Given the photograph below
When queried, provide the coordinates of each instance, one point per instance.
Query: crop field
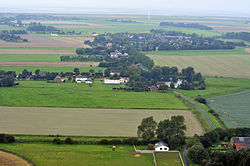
(36, 51)
(85, 122)
(75, 155)
(209, 65)
(233, 109)
(8, 159)
(169, 159)
(19, 69)
(43, 94)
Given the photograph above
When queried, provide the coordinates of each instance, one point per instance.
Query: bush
(69, 141)
(104, 142)
(150, 147)
(6, 138)
(211, 111)
(57, 141)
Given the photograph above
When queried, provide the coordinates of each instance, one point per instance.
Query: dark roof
(69, 73)
(241, 140)
(98, 74)
(85, 74)
(161, 143)
(115, 71)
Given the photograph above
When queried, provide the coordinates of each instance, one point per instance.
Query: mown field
(209, 65)
(32, 57)
(74, 155)
(72, 95)
(8, 159)
(169, 159)
(233, 108)
(85, 122)
(19, 69)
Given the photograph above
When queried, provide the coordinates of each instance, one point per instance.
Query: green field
(59, 69)
(37, 48)
(75, 155)
(209, 65)
(169, 159)
(233, 109)
(43, 94)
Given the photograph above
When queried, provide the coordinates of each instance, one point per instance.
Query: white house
(112, 82)
(80, 79)
(88, 81)
(176, 84)
(161, 147)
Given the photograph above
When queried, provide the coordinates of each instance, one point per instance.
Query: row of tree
(186, 25)
(237, 35)
(9, 36)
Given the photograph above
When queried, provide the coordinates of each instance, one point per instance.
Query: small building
(99, 75)
(111, 82)
(124, 80)
(153, 89)
(176, 84)
(161, 147)
(109, 45)
(113, 72)
(89, 81)
(86, 74)
(81, 79)
(240, 142)
(58, 79)
(69, 74)
(43, 73)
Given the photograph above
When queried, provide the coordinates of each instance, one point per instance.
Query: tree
(77, 71)
(7, 81)
(197, 153)
(92, 71)
(37, 72)
(147, 129)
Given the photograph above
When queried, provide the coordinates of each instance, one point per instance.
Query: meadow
(233, 108)
(169, 159)
(74, 155)
(85, 122)
(72, 95)
(32, 57)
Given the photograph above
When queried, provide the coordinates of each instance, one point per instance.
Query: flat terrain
(73, 95)
(36, 51)
(209, 65)
(85, 122)
(8, 159)
(65, 64)
(169, 159)
(233, 109)
(76, 155)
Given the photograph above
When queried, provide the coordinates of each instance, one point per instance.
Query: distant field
(36, 51)
(169, 159)
(59, 69)
(32, 57)
(85, 122)
(43, 94)
(233, 109)
(209, 65)
(8, 159)
(75, 155)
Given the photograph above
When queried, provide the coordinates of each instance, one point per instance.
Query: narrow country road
(184, 154)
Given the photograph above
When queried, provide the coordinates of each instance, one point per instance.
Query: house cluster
(121, 80)
(118, 54)
(240, 142)
(155, 88)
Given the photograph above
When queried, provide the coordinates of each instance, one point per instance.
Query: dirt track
(65, 64)
(36, 51)
(8, 159)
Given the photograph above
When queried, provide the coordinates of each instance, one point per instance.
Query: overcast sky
(234, 6)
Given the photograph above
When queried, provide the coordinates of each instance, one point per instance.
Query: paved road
(198, 106)
(184, 154)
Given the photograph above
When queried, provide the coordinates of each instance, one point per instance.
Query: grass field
(75, 155)
(233, 109)
(85, 122)
(31, 57)
(19, 69)
(169, 159)
(43, 94)
(209, 65)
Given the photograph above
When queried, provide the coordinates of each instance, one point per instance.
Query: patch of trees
(237, 35)
(6, 80)
(9, 36)
(38, 27)
(87, 58)
(45, 17)
(186, 25)
(171, 130)
(11, 21)
(4, 138)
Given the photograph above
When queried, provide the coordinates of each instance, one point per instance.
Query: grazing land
(86, 122)
(169, 159)
(75, 155)
(36, 51)
(8, 159)
(209, 65)
(36, 94)
(233, 109)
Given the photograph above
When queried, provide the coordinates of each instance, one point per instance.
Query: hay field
(209, 65)
(8, 159)
(85, 122)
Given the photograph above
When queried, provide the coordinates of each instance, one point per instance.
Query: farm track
(8, 159)
(37, 51)
(65, 64)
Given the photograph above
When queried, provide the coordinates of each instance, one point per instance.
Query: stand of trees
(6, 79)
(9, 36)
(38, 27)
(186, 25)
(238, 35)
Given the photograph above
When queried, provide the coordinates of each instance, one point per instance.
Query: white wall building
(81, 79)
(112, 82)
(176, 84)
(161, 147)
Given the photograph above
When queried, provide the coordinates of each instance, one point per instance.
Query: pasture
(169, 159)
(74, 155)
(36, 51)
(32, 57)
(73, 95)
(85, 122)
(233, 108)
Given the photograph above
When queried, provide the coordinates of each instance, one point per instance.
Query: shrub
(6, 138)
(150, 147)
(69, 141)
(104, 142)
(57, 141)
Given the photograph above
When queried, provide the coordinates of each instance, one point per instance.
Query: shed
(161, 147)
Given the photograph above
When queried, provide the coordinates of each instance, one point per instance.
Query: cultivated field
(8, 159)
(209, 65)
(65, 64)
(169, 159)
(233, 109)
(75, 155)
(36, 51)
(85, 122)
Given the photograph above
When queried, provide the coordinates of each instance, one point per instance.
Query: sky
(241, 7)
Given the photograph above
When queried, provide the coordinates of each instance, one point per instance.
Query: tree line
(6, 80)
(10, 36)
(237, 35)
(186, 25)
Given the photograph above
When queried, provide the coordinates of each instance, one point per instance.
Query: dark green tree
(147, 129)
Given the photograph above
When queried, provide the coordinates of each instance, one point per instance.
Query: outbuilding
(161, 147)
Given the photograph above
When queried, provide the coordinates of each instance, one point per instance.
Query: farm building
(111, 82)
(153, 89)
(80, 79)
(69, 74)
(115, 54)
(240, 142)
(113, 72)
(58, 79)
(124, 80)
(176, 84)
(85, 74)
(99, 75)
(161, 147)
(89, 81)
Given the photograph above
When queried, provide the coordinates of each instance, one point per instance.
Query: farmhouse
(89, 81)
(240, 142)
(176, 84)
(111, 82)
(115, 54)
(80, 79)
(113, 72)
(99, 75)
(69, 74)
(58, 79)
(153, 89)
(124, 80)
(161, 147)
(85, 74)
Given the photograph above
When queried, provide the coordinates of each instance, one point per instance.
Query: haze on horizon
(211, 7)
